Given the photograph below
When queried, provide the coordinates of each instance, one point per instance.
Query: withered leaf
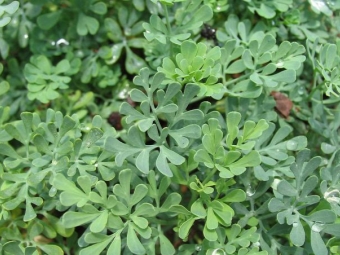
(283, 103)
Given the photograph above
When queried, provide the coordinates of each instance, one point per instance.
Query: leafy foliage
(169, 127)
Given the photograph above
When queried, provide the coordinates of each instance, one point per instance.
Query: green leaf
(285, 188)
(332, 229)
(287, 76)
(96, 249)
(297, 234)
(4, 87)
(324, 216)
(87, 24)
(10, 8)
(99, 224)
(237, 66)
(115, 247)
(13, 247)
(142, 160)
(212, 221)
(249, 160)
(41, 144)
(138, 96)
(7, 150)
(99, 8)
(51, 249)
(133, 243)
(30, 214)
(161, 161)
(236, 195)
(140, 192)
(276, 205)
(267, 44)
(74, 219)
(318, 246)
(309, 185)
(185, 227)
(166, 246)
(48, 20)
(198, 209)
(203, 14)
(233, 119)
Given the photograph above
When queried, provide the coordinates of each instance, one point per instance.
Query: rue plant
(169, 127)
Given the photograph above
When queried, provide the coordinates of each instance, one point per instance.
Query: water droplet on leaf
(52, 192)
(292, 145)
(218, 252)
(318, 227)
(62, 41)
(279, 64)
(332, 196)
(250, 191)
(198, 248)
(127, 31)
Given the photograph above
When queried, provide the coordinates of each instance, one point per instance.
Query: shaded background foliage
(225, 136)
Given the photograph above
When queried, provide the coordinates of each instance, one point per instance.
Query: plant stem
(209, 176)
(267, 216)
(168, 24)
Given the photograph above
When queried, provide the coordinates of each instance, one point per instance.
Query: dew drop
(250, 191)
(275, 183)
(279, 64)
(333, 199)
(128, 31)
(198, 248)
(325, 161)
(330, 3)
(79, 53)
(319, 5)
(295, 224)
(25, 36)
(327, 148)
(332, 196)
(218, 252)
(218, 8)
(52, 192)
(123, 94)
(257, 244)
(292, 145)
(301, 91)
(317, 227)
(62, 41)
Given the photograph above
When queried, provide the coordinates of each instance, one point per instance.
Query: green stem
(168, 24)
(197, 99)
(245, 76)
(267, 216)
(209, 176)
(315, 88)
(193, 198)
(162, 222)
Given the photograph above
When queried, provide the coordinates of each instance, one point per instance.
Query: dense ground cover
(169, 127)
